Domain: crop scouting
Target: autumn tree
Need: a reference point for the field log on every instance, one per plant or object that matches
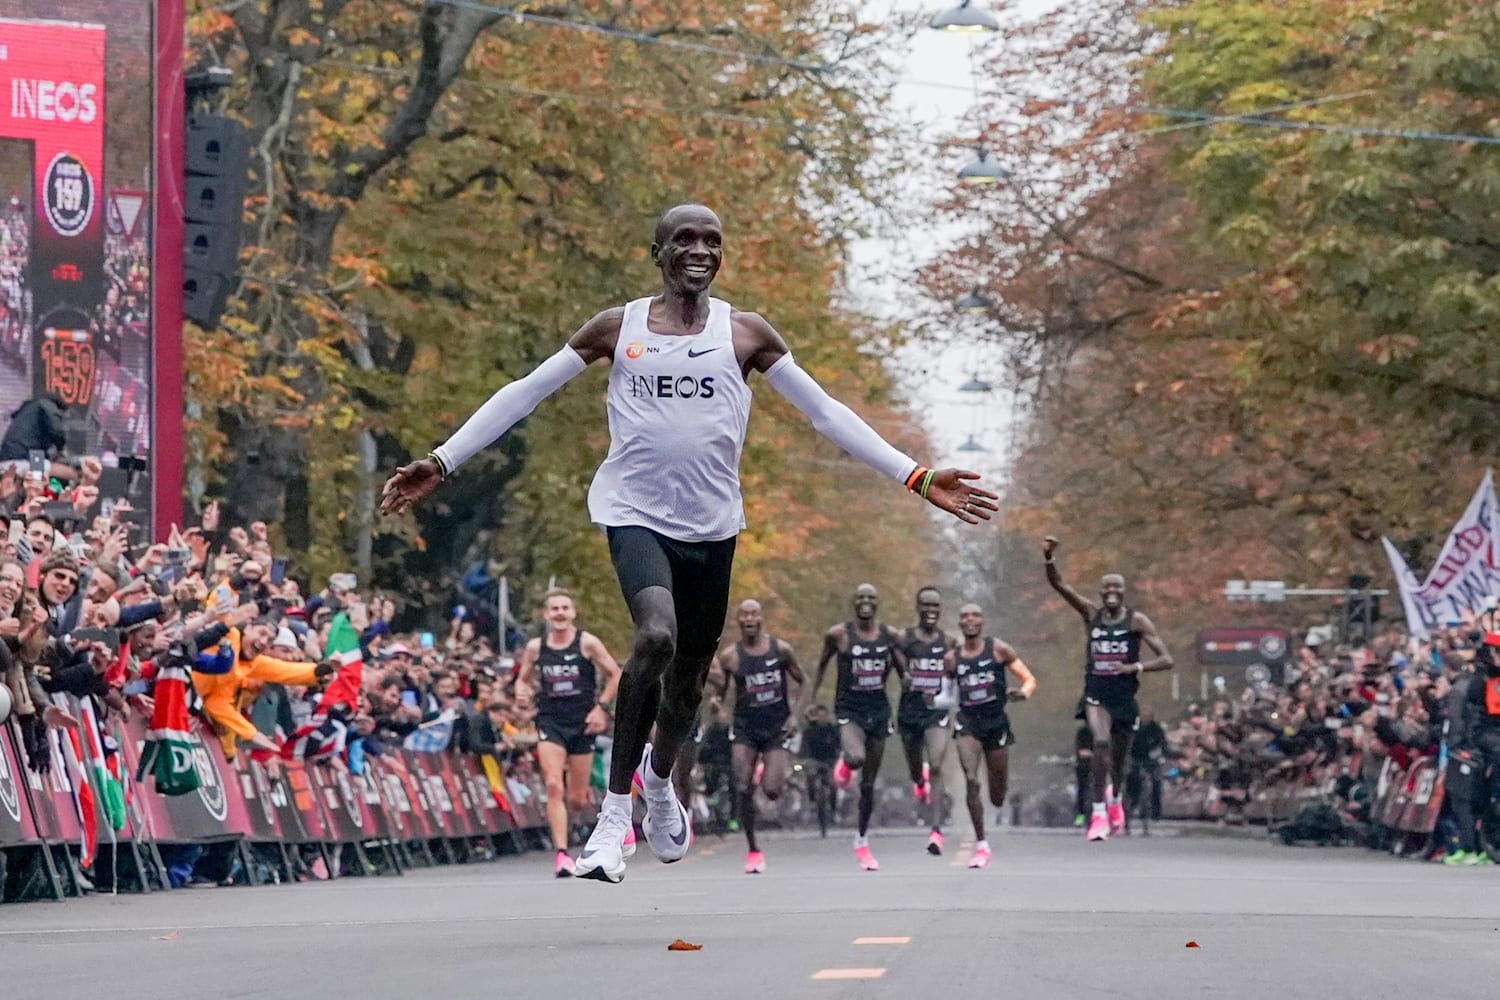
(1247, 351)
(444, 197)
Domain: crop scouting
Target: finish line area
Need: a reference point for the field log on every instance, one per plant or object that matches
(1051, 917)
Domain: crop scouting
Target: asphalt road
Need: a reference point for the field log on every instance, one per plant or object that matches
(1051, 917)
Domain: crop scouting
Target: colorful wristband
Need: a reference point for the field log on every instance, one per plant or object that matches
(926, 482)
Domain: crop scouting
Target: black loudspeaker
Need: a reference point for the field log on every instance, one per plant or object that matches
(210, 248)
(204, 295)
(213, 206)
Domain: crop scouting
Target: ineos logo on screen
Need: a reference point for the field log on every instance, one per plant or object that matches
(54, 101)
(69, 195)
(210, 789)
(10, 799)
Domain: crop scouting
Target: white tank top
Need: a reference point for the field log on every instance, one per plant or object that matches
(678, 407)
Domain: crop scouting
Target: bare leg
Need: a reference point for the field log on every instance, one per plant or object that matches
(1104, 751)
(874, 750)
(852, 745)
(744, 758)
(552, 759)
(969, 755)
(937, 739)
(997, 763)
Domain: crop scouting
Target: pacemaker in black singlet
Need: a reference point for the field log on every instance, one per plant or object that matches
(863, 667)
(568, 692)
(1111, 646)
(981, 697)
(924, 670)
(760, 703)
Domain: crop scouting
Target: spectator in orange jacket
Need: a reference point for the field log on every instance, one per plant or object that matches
(220, 691)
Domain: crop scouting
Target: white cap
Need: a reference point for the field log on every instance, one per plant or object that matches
(284, 637)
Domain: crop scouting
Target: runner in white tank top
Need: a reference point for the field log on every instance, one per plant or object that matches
(678, 407)
(668, 496)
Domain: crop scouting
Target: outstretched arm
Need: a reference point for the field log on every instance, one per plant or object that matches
(507, 407)
(1149, 636)
(1080, 603)
(947, 489)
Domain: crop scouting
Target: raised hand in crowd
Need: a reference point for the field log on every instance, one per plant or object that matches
(84, 498)
(90, 470)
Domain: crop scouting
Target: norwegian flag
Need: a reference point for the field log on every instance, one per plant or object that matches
(326, 732)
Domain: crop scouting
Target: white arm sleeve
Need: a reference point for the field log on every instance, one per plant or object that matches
(836, 421)
(507, 407)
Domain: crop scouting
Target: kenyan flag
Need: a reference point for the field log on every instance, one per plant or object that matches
(168, 753)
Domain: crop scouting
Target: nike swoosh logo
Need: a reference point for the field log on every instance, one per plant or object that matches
(586, 854)
(698, 354)
(681, 838)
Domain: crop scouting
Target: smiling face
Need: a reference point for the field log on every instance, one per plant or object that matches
(39, 536)
(929, 607)
(559, 612)
(866, 602)
(59, 585)
(971, 621)
(1112, 591)
(12, 583)
(688, 247)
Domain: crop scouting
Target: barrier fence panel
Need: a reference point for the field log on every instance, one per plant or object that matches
(89, 799)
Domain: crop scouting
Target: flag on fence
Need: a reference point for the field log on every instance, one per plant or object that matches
(325, 733)
(168, 752)
(433, 736)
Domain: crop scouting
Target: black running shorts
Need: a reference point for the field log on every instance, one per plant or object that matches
(565, 732)
(913, 725)
(695, 573)
(875, 722)
(1116, 699)
(991, 729)
(763, 735)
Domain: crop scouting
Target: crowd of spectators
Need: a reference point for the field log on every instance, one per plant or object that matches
(1338, 715)
(91, 607)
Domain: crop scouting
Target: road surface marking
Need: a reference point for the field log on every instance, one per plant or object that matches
(848, 974)
(883, 940)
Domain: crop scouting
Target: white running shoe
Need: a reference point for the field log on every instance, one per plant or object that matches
(668, 827)
(603, 856)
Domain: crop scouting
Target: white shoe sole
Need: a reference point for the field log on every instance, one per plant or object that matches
(597, 872)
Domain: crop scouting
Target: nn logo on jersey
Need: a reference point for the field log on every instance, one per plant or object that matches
(669, 387)
(635, 349)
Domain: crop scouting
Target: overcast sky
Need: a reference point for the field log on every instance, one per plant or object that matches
(934, 94)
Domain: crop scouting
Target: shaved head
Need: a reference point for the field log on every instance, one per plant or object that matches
(678, 214)
(750, 604)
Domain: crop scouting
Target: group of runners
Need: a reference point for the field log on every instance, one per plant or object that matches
(668, 498)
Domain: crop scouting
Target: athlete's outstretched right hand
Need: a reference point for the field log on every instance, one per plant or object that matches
(1049, 546)
(410, 484)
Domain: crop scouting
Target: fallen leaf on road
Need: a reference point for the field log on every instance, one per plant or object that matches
(169, 936)
(681, 945)
(1192, 944)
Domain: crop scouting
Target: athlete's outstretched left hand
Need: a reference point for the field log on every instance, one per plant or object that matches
(951, 491)
(410, 484)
